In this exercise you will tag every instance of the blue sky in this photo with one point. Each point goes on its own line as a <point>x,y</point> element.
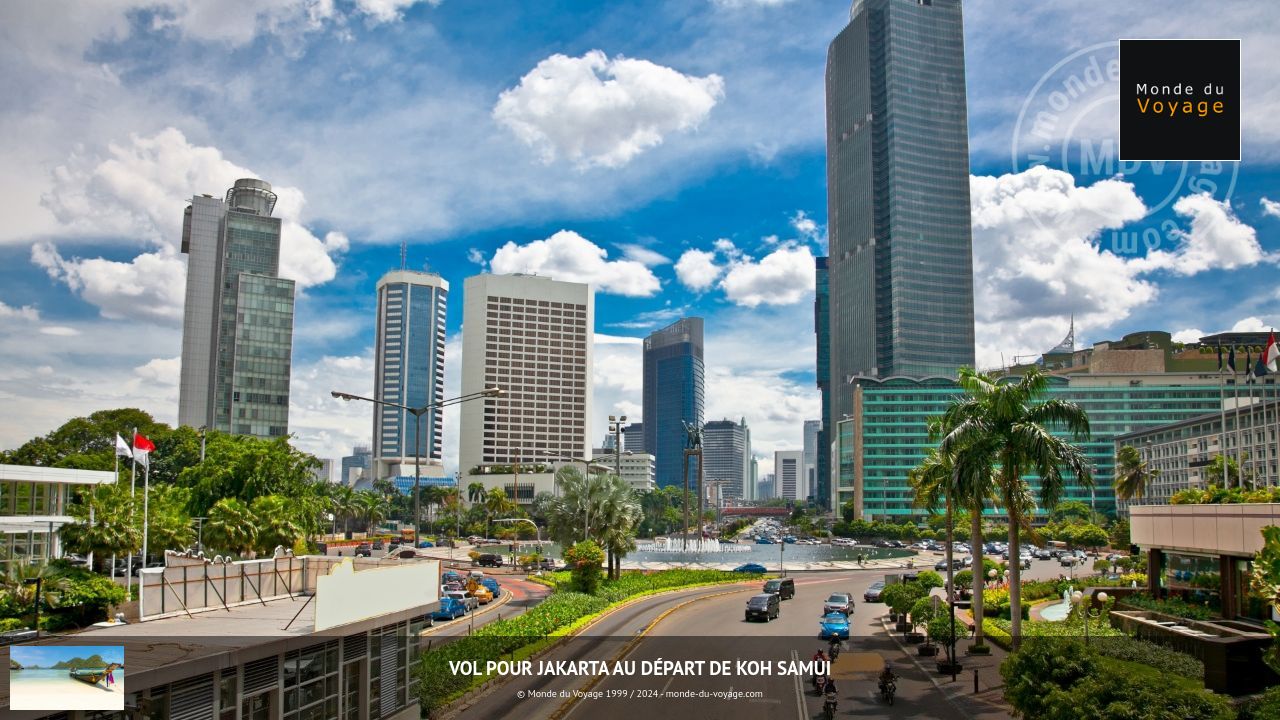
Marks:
<point>671,153</point>
<point>48,656</point>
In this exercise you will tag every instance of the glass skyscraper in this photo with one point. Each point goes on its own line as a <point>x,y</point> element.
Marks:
<point>822,328</point>
<point>673,394</point>
<point>409,364</point>
<point>237,332</point>
<point>900,266</point>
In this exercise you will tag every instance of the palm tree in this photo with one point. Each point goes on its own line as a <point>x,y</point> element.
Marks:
<point>476,492</point>
<point>567,514</point>
<point>1132,474</point>
<point>112,530</point>
<point>276,523</point>
<point>373,507</point>
<point>619,514</point>
<point>231,526</point>
<point>934,481</point>
<point>1006,427</point>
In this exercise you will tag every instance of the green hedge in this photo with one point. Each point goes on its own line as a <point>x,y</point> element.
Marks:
<point>1170,606</point>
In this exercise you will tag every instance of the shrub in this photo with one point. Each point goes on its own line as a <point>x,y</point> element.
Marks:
<point>1264,707</point>
<point>995,603</point>
<point>1041,667</point>
<point>1150,654</point>
<point>8,624</point>
<point>940,628</point>
<point>963,579</point>
<point>921,612</point>
<point>1171,606</point>
<point>584,561</point>
<point>901,596</point>
<point>929,579</point>
<point>1108,695</point>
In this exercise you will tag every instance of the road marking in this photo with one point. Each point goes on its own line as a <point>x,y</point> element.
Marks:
<point>800,712</point>
<point>668,684</point>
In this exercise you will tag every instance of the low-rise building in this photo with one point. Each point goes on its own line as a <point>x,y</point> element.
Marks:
<point>638,469</point>
<point>33,507</point>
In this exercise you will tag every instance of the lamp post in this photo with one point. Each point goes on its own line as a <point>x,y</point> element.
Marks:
<point>991,576</point>
<point>1087,611</point>
<point>37,581</point>
<point>417,450</point>
<point>615,427</point>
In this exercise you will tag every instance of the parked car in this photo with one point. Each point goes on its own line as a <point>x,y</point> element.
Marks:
<point>956,564</point>
<point>492,585</point>
<point>833,624</point>
<point>751,568</point>
<point>838,602</point>
<point>489,560</point>
<point>765,606</point>
<point>450,608</point>
<point>874,592</point>
<point>1043,554</point>
<point>364,550</point>
<point>784,587</point>
<point>426,544</point>
<point>1068,560</point>
<point>153,564</point>
<point>465,598</point>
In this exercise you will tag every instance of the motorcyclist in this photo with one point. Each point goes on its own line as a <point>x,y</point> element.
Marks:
<point>827,686</point>
<point>817,677</point>
<point>833,647</point>
<point>887,676</point>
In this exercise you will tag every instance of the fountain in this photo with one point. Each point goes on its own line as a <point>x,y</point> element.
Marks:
<point>1059,612</point>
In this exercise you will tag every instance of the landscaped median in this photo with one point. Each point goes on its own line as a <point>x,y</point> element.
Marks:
<point>563,613</point>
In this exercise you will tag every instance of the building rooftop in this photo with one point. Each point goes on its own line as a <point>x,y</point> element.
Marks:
<point>38,473</point>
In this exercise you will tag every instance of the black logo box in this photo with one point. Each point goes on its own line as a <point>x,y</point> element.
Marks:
<point>1186,68</point>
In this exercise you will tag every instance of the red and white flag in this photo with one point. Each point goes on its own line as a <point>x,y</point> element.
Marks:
<point>1270,353</point>
<point>142,448</point>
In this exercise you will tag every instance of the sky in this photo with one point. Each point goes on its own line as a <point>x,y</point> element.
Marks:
<point>671,153</point>
<point>48,656</point>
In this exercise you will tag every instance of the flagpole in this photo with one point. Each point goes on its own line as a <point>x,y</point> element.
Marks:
<point>146,517</point>
<point>1222,419</point>
<point>133,487</point>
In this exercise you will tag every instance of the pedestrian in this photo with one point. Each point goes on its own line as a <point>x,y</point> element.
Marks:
<point>111,677</point>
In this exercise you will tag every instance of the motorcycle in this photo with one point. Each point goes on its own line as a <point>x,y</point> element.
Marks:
<point>829,707</point>
<point>887,689</point>
<point>834,650</point>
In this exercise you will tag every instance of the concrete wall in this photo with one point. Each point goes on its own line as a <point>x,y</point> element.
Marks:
<point>1206,529</point>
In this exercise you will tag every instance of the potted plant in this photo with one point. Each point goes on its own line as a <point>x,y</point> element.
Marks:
<point>940,629</point>
<point>921,613</point>
<point>900,598</point>
<point>889,596</point>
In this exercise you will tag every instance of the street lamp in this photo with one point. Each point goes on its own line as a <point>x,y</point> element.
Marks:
<point>615,427</point>
<point>536,529</point>
<point>991,575</point>
<point>417,439</point>
<point>37,581</point>
<point>1087,611</point>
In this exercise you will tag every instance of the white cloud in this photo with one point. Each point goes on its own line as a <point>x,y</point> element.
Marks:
<point>697,270</point>
<point>321,424</point>
<point>807,228</point>
<point>1217,240</point>
<point>595,111</point>
<point>1270,207</point>
<point>1189,335</point>
<point>736,4</point>
<point>475,256</point>
<point>643,255</point>
<point>653,319</point>
<point>139,192</point>
<point>161,371</point>
<point>782,277</point>
<point>383,11</point>
<point>59,330</point>
<point>1250,324</point>
<point>26,312</point>
<point>567,255</point>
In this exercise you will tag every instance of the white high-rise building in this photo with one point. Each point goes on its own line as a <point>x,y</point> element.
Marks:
<point>788,470</point>
<point>531,337</point>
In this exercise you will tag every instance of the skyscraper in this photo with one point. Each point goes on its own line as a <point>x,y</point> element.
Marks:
<point>822,328</point>
<point>633,437</point>
<point>673,395</point>
<point>356,466</point>
<point>788,467</point>
<point>811,429</point>
<point>237,324</point>
<point>900,266</point>
<point>531,337</point>
<point>409,367</point>
<point>726,446</point>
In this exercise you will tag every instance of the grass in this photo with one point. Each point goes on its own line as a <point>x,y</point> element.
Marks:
<point>1146,672</point>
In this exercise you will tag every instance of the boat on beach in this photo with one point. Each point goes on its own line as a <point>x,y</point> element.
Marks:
<point>92,676</point>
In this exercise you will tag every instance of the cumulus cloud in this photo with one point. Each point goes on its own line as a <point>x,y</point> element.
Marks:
<point>807,228</point>
<point>1270,207</point>
<point>596,111</point>
<point>1249,324</point>
<point>567,255</point>
<point>1189,335</point>
<point>475,256</point>
<point>160,371</point>
<point>782,277</point>
<point>26,312</point>
<point>644,255</point>
<point>697,270</point>
<point>138,191</point>
<point>384,11</point>
<point>1217,240</point>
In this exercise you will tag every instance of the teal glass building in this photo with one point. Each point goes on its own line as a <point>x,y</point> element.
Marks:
<point>673,394</point>
<point>822,329</point>
<point>886,437</point>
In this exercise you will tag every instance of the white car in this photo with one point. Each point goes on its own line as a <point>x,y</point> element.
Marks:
<point>469,601</point>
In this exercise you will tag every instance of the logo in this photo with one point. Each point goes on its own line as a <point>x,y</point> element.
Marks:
<point>1068,121</point>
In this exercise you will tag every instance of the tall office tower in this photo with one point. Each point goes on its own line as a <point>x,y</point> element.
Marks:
<point>900,265</point>
<point>673,395</point>
<point>822,328</point>
<point>754,483</point>
<point>237,324</point>
<point>531,337</point>
<point>633,438</point>
<point>409,369</point>
<point>768,488</point>
<point>811,430</point>
<point>788,471</point>
<point>356,465</point>
<point>726,445</point>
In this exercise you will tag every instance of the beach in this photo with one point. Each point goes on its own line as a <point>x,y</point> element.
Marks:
<point>55,690</point>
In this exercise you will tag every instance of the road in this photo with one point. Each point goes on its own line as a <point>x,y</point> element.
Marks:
<point>524,595</point>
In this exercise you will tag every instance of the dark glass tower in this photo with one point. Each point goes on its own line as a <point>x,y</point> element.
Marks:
<point>901,263</point>
<point>822,328</point>
<point>673,394</point>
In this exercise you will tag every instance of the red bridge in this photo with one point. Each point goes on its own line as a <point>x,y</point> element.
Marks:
<point>755,511</point>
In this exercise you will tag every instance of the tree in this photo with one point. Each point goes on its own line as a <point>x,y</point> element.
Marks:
<point>619,517</point>
<point>373,508</point>
<point>476,493</point>
<point>584,561</point>
<point>1088,535</point>
<point>1042,665</point>
<point>1215,473</point>
<point>276,523</point>
<point>1119,534</point>
<point>169,526</point>
<point>1132,474</point>
<point>1071,511</point>
<point>342,503</point>
<point>112,531</point>
<point>1007,427</point>
<point>1265,583</point>
<point>231,527</point>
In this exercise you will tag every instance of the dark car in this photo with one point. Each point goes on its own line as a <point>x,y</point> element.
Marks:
<point>364,550</point>
<point>956,564</point>
<point>764,606</point>
<point>838,602</point>
<point>756,568</point>
<point>874,592</point>
<point>489,560</point>
<point>784,587</point>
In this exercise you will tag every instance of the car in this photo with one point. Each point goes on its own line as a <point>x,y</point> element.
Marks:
<point>756,568</point>
<point>1043,554</point>
<point>426,544</point>
<point>450,609</point>
<point>377,545</point>
<point>833,625</point>
<point>784,587</point>
<point>874,593</point>
<point>489,560</point>
<point>138,567</point>
<point>764,605</point>
<point>480,593</point>
<point>883,544</point>
<point>956,564</point>
<point>364,550</point>
<point>75,559</point>
<point>1025,562</point>
<point>465,598</point>
<point>547,564</point>
<point>840,602</point>
<point>451,576</point>
<point>1068,560</point>
<point>451,587</point>
<point>492,586</point>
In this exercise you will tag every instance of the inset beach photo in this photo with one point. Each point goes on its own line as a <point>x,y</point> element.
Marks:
<point>66,677</point>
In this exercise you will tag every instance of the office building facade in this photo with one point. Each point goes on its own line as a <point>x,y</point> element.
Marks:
<point>409,368</point>
<point>633,437</point>
<point>33,508</point>
<point>900,266</point>
<point>530,336</point>
<point>237,329</point>
<point>357,466</point>
<point>822,329</point>
<point>638,469</point>
<point>672,396</point>
<point>726,448</point>
<point>788,474</point>
<point>811,430</point>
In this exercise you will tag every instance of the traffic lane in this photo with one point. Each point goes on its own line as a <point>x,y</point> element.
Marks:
<point>523,697</point>
<point>524,595</point>
<point>715,629</point>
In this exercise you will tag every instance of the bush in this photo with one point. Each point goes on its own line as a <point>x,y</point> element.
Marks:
<point>929,579</point>
<point>940,628</point>
<point>584,561</point>
<point>1171,606</point>
<point>921,612</point>
<point>995,603</point>
<point>1107,695</point>
<point>1264,707</point>
<point>1041,667</point>
<point>1150,654</point>
<point>8,624</point>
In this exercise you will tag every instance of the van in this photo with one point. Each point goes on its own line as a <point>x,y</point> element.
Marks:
<point>764,605</point>
<point>784,588</point>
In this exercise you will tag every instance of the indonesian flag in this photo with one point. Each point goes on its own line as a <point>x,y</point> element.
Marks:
<point>122,447</point>
<point>142,448</point>
<point>1270,353</point>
